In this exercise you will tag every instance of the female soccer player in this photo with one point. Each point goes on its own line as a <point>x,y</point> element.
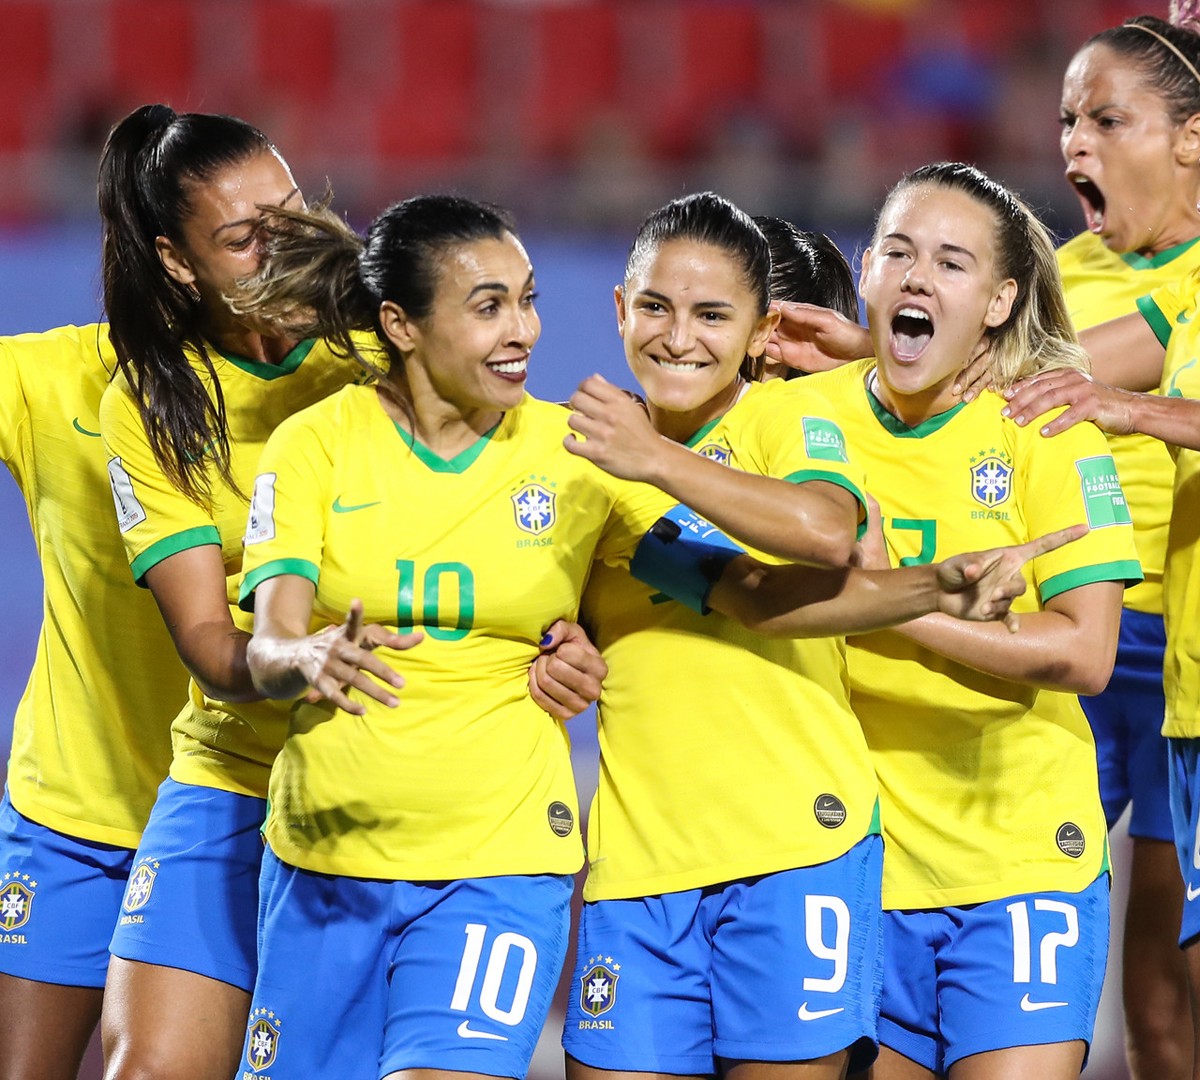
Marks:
<point>198,391</point>
<point>444,829</point>
<point>90,739</point>
<point>1131,140</point>
<point>995,943</point>
<point>731,921</point>
<point>965,726</point>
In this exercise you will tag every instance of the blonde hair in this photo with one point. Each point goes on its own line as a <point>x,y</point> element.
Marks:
<point>1037,335</point>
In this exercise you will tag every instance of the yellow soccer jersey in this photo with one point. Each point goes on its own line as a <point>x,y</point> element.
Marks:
<point>1102,285</point>
<point>216,744</point>
<point>91,733</point>
<point>1181,378</point>
<point>467,777</point>
<point>988,788</point>
<point>724,754</point>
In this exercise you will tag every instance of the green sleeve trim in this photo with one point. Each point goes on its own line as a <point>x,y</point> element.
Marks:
<point>1127,570</point>
<point>804,475</point>
<point>275,568</point>
<point>1159,323</point>
<point>876,828</point>
<point>172,545</point>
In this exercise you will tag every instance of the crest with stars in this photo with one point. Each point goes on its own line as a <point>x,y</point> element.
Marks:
<point>991,476</point>
<point>141,884</point>
<point>16,900</point>
<point>262,1039</point>
<point>714,451</point>
<point>598,985</point>
<point>533,505</point>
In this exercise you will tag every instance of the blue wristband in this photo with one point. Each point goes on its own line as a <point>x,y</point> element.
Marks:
<point>683,556</point>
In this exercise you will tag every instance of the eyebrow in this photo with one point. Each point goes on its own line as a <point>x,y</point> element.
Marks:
<point>253,220</point>
<point>498,286</point>
<point>700,303</point>
<point>941,247</point>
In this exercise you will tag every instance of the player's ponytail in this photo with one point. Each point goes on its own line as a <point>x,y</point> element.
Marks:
<point>1037,335</point>
<point>152,163</point>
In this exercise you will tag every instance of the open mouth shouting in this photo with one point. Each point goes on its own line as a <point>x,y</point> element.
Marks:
<point>1091,199</point>
<point>912,331</point>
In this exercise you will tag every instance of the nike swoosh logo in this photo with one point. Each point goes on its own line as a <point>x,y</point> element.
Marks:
<point>82,430</point>
<point>1034,1006</point>
<point>815,1014</point>
<point>1192,893</point>
<point>338,508</point>
<point>1183,318</point>
<point>465,1031</point>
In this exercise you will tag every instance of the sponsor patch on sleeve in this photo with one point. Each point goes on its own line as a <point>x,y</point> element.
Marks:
<point>824,440</point>
<point>1103,499</point>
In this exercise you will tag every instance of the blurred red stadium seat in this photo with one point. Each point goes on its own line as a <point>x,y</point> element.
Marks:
<point>25,74</point>
<point>295,49</point>
<point>435,92</point>
<point>153,52</point>
<point>576,73</point>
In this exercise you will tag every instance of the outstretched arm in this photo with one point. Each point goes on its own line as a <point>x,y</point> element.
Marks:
<point>798,601</point>
<point>813,522</point>
<point>285,660</point>
<point>1174,420</point>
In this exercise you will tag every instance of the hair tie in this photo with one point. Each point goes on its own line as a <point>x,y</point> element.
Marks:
<point>1174,48</point>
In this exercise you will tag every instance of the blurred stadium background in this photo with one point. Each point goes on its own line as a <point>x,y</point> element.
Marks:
<point>580,115</point>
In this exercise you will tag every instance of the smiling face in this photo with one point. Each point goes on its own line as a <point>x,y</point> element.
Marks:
<point>688,319</point>
<point>469,356</point>
<point>219,241</point>
<point>1133,169</point>
<point>931,291</point>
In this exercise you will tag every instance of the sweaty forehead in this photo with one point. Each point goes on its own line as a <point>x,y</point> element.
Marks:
<point>1097,71</point>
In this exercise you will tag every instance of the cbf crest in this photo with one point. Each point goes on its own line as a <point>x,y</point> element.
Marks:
<point>991,477</point>
<point>714,451</point>
<point>598,985</point>
<point>262,1039</point>
<point>141,885</point>
<point>16,900</point>
<point>534,505</point>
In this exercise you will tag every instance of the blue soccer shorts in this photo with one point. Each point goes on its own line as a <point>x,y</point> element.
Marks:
<point>361,978</point>
<point>781,967</point>
<point>59,900</point>
<point>192,897</point>
<point>1021,971</point>
<point>1126,721</point>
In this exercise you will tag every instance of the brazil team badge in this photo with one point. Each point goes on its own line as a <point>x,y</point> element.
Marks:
<point>141,884</point>
<point>16,901</point>
<point>991,478</point>
<point>533,505</point>
<point>714,451</point>
<point>598,986</point>
<point>262,1039</point>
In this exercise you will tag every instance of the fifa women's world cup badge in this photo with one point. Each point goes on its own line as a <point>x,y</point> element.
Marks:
<point>16,905</point>
<point>598,990</point>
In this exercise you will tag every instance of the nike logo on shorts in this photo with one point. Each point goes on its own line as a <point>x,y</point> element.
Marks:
<point>1192,893</point>
<point>465,1031</point>
<point>815,1014</point>
<point>1034,1006</point>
